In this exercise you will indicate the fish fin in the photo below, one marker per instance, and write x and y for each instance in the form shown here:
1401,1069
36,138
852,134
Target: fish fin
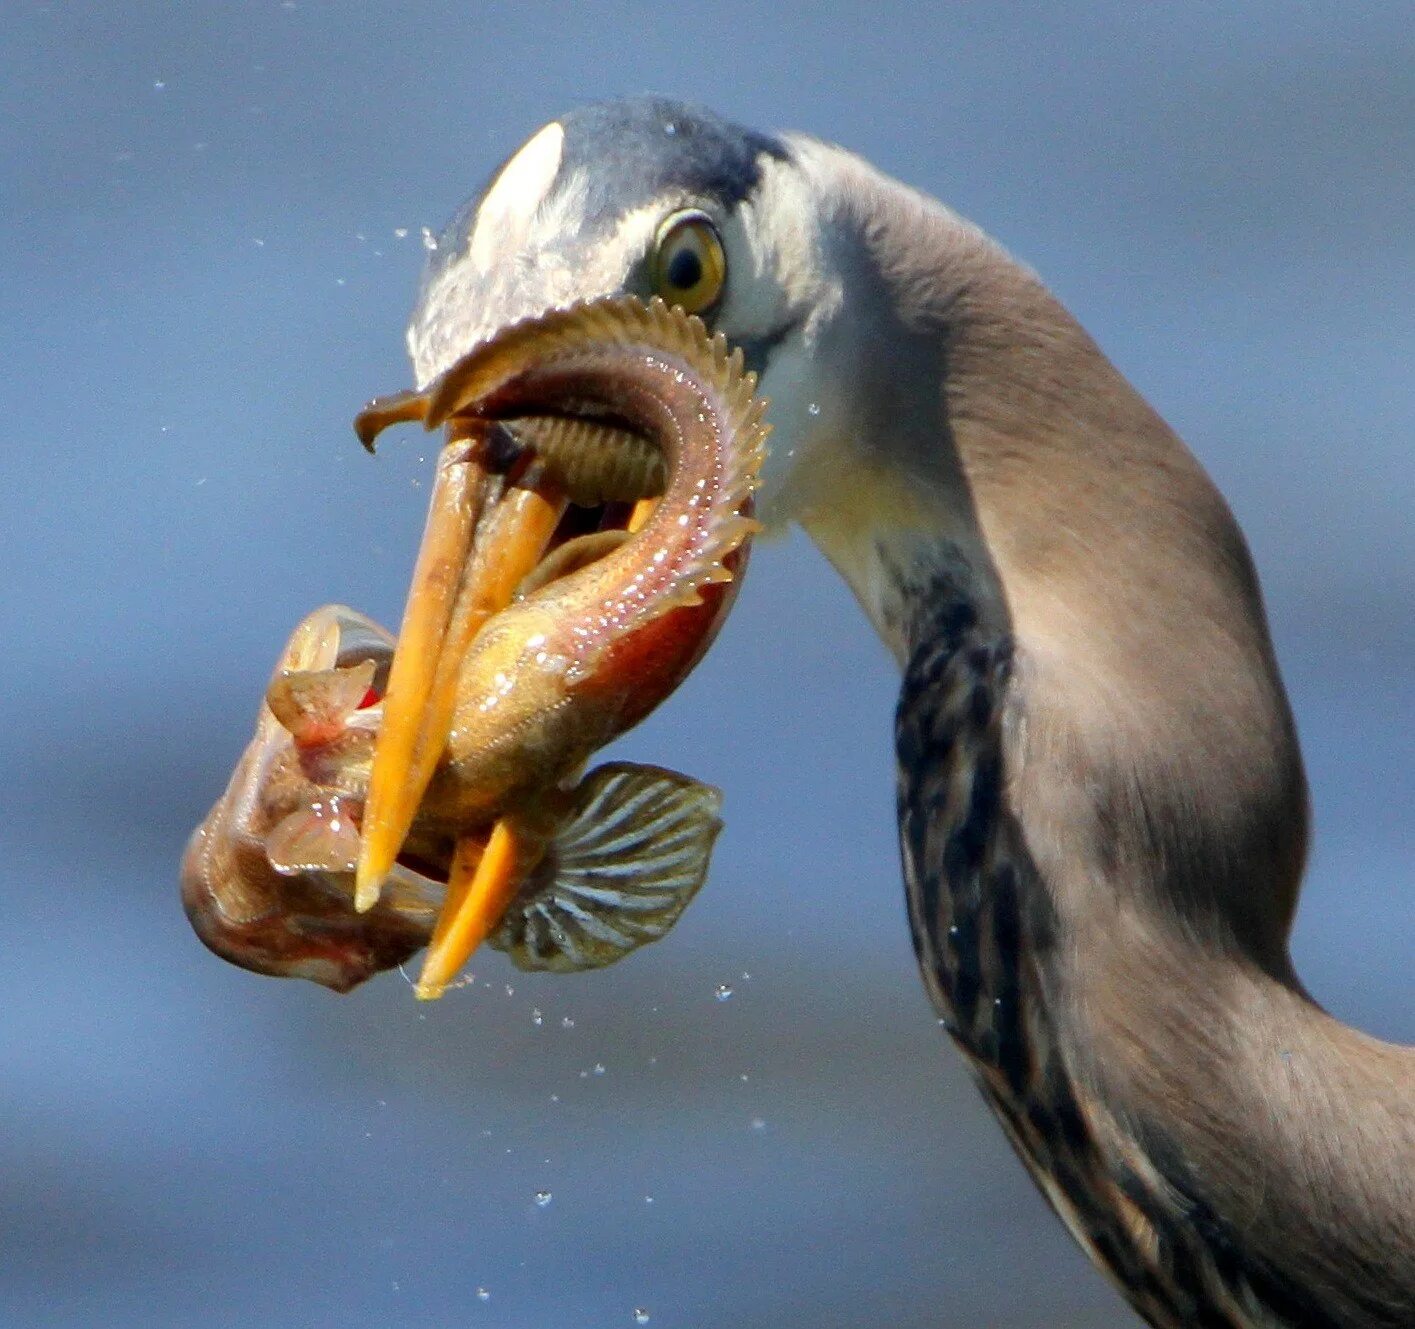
325,636
319,838
360,639
624,863
570,557
413,896
315,704
315,641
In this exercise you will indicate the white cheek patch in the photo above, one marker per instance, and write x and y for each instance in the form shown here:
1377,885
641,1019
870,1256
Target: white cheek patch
505,216
777,233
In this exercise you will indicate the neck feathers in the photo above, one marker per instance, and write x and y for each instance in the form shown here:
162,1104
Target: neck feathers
1103,817
1165,1144
1102,807
1003,444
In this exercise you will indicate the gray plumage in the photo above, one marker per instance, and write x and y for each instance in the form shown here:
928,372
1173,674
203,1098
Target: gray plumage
1102,806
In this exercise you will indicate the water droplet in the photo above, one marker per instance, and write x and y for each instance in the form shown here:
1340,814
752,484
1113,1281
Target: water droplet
648,1199
566,1022
543,1198
510,991
158,85
483,1294
669,128
429,241
641,1316
814,408
400,232
759,1123
724,990
599,1068
536,1017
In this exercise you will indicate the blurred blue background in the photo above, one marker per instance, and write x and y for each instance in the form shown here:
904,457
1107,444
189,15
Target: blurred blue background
210,239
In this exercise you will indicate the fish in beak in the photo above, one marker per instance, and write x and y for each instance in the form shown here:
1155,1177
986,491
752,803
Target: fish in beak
266,877
588,527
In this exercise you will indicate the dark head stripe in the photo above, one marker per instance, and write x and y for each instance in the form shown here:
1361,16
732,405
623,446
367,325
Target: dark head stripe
629,152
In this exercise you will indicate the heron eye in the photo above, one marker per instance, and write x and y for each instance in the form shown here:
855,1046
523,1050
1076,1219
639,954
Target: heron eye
689,267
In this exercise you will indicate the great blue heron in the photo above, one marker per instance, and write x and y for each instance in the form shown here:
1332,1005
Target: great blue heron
1102,807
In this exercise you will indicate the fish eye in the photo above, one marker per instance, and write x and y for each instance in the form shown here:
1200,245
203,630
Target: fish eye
689,265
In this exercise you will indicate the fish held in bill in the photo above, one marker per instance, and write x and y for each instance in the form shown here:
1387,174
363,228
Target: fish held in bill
266,878
588,529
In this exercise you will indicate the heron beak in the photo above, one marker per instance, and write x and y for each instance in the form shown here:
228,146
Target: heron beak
484,534
486,872
481,883
499,497
393,795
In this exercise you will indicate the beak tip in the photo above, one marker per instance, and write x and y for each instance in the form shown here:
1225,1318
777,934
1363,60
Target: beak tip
367,888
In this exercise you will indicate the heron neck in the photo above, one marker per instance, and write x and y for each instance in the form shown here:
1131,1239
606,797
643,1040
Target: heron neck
1115,862
1224,1150
1102,804
982,435
1102,808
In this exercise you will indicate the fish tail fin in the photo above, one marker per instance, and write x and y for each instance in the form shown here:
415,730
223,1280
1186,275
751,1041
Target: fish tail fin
623,864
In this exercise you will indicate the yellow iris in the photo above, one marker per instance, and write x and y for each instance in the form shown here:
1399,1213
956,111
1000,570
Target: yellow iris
689,266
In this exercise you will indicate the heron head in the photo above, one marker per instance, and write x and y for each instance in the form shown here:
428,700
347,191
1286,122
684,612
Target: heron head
649,197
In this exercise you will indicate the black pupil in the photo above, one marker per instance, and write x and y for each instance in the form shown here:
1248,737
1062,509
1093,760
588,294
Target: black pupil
685,270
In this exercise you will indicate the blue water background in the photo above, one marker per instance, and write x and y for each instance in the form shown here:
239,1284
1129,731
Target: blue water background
209,240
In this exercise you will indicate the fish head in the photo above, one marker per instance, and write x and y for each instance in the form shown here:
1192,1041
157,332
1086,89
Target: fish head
267,878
